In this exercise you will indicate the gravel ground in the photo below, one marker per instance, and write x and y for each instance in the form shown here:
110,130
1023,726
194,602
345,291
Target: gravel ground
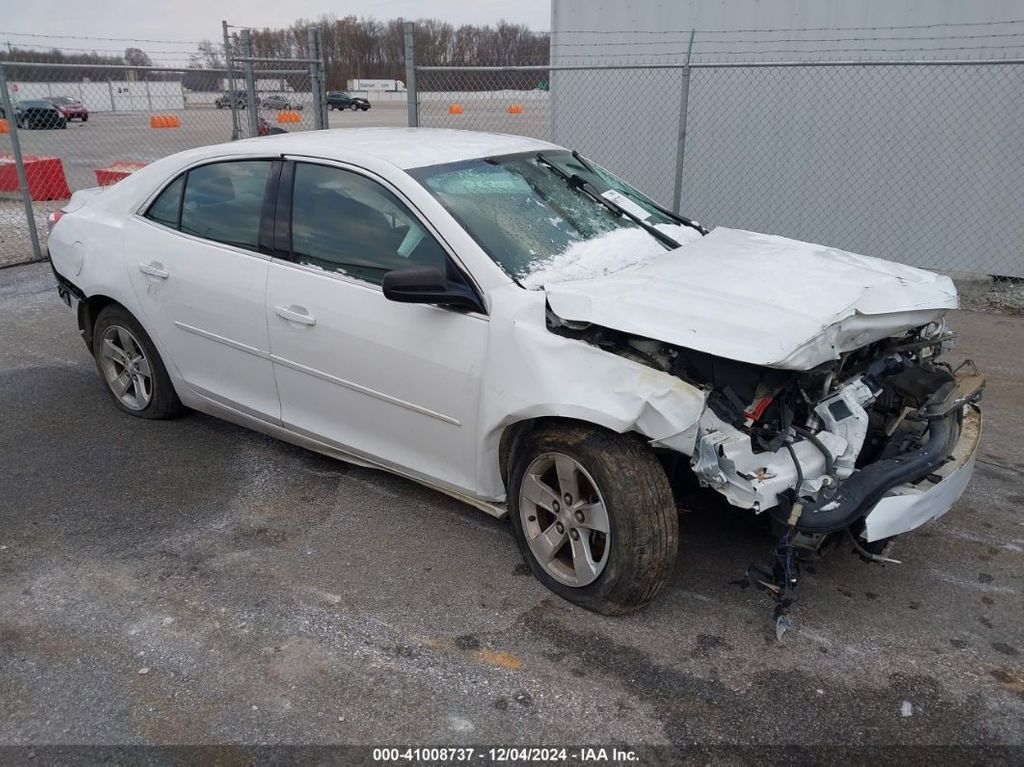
193,582
1005,296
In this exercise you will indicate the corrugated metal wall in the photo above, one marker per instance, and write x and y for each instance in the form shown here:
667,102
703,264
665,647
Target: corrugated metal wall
922,165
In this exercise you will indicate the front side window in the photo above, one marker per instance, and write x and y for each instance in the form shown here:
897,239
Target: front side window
346,223
222,202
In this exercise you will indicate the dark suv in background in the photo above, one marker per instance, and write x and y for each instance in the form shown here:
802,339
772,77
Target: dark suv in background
35,114
343,100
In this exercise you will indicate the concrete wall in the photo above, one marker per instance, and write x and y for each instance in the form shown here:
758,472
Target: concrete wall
121,96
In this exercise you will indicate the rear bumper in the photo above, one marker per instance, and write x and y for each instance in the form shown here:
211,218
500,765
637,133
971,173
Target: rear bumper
908,506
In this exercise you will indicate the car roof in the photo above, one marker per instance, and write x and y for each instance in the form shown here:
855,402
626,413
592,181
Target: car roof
405,148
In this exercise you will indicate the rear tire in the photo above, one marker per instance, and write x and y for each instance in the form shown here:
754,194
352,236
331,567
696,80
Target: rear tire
586,479
131,368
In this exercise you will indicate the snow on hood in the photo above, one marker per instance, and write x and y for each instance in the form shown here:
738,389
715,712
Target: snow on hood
757,298
606,254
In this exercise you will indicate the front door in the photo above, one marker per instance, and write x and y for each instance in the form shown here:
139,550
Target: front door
398,383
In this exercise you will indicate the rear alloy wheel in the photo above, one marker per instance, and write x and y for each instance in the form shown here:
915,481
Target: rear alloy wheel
594,516
125,368
131,368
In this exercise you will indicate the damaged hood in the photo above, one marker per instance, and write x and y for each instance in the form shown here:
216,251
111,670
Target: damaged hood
759,298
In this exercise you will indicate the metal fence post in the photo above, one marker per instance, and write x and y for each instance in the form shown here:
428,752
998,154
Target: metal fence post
250,83
19,165
316,79
322,93
231,80
410,74
684,104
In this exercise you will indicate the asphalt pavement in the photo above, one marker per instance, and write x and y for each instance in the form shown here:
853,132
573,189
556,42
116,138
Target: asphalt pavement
191,581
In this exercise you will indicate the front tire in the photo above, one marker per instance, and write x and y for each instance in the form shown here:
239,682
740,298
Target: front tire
131,368
593,514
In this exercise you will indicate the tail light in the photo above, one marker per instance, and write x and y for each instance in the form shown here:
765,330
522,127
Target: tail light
53,218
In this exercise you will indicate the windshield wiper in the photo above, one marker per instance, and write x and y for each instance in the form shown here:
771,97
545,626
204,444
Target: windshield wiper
588,189
663,211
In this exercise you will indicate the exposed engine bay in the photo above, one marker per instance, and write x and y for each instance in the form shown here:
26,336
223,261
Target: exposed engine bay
819,449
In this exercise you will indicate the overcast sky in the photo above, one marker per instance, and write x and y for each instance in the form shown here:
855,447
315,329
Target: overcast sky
193,20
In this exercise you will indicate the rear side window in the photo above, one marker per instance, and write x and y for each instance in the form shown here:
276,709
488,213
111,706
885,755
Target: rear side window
164,209
222,202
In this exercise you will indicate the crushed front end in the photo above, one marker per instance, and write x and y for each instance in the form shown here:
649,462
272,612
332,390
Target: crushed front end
861,449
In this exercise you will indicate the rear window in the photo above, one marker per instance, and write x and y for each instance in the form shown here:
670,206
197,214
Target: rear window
166,207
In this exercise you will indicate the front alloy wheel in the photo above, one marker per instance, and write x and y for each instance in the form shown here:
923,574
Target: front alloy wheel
593,514
565,519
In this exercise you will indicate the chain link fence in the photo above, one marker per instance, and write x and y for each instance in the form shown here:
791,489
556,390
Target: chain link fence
918,162
77,126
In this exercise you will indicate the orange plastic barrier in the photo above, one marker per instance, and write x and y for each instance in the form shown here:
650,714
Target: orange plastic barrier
45,176
289,117
455,109
114,173
4,127
515,109
164,121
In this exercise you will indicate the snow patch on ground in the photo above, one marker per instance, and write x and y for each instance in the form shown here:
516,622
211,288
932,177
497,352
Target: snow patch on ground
611,252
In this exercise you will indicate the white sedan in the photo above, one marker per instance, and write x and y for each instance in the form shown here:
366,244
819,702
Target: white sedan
503,320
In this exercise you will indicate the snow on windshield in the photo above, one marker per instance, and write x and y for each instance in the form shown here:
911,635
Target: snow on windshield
607,253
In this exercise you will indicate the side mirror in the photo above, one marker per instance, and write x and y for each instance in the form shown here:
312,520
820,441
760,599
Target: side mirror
428,285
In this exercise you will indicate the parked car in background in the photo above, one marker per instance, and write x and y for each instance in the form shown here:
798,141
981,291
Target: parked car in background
239,97
501,319
37,114
344,100
280,102
72,109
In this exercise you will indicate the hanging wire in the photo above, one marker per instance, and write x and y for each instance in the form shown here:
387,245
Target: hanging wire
792,40
104,39
572,56
790,29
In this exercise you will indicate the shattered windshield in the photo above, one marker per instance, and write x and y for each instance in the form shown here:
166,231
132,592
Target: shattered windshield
541,229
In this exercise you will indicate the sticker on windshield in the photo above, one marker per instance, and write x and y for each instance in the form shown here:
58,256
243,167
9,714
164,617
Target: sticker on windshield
626,204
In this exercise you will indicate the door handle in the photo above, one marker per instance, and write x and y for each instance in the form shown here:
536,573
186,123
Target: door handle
154,269
295,314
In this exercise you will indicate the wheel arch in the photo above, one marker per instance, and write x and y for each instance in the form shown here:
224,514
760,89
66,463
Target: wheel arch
89,309
512,434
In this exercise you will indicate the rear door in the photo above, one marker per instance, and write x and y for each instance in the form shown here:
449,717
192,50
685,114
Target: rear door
399,383
200,273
